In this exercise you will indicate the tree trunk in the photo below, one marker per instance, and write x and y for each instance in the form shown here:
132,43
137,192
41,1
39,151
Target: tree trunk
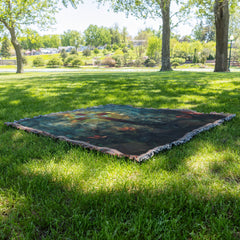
165,8
17,48
221,12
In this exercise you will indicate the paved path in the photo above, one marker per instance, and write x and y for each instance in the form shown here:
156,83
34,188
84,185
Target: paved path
109,70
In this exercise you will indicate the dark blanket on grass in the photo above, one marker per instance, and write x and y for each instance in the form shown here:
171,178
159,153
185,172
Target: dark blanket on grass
137,133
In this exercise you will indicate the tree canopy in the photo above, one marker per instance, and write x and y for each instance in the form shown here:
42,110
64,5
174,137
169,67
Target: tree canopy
220,10
145,9
71,38
234,25
5,49
22,13
97,36
17,15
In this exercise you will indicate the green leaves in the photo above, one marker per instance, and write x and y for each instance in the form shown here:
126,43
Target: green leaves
71,38
74,3
16,15
5,49
21,13
97,36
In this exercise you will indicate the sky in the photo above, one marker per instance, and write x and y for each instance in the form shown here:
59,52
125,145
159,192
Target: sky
88,13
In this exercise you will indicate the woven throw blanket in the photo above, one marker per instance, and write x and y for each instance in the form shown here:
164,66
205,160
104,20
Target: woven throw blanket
136,133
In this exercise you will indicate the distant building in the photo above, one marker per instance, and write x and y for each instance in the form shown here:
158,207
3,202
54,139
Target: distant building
102,47
137,43
48,50
33,52
67,48
82,48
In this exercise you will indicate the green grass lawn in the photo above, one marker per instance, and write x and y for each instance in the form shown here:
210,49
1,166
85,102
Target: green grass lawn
52,190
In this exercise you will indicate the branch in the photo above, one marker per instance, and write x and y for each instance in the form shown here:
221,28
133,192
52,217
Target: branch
5,23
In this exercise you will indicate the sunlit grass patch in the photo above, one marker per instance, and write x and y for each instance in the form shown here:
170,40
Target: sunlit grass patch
53,190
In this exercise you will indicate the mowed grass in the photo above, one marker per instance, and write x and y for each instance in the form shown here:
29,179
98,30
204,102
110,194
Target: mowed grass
52,190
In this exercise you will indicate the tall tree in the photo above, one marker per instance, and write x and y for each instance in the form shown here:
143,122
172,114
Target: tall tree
221,13
72,38
51,41
16,15
115,35
205,32
124,35
144,9
221,10
154,48
5,49
166,33
144,34
97,36
32,39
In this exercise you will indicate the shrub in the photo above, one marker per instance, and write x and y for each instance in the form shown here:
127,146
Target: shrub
96,50
236,54
180,54
115,46
138,62
122,45
119,60
175,64
105,52
195,59
203,59
109,48
195,56
38,62
24,60
125,50
73,61
63,54
109,61
118,52
97,62
76,62
131,46
54,62
153,48
150,62
68,60
86,52
211,57
126,59
130,63
178,60
74,51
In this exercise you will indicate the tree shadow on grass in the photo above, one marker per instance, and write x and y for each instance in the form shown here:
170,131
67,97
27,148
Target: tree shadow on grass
43,205
110,198
38,95
69,91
